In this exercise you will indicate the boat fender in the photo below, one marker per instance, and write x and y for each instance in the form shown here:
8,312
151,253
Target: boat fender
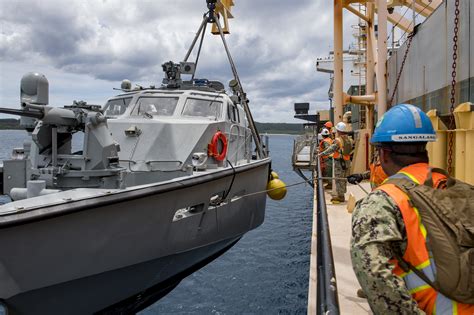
213,147
276,188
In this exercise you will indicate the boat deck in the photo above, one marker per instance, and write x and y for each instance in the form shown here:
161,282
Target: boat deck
340,229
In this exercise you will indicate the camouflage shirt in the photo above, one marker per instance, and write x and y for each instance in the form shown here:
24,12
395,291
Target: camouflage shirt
325,144
330,149
336,146
377,231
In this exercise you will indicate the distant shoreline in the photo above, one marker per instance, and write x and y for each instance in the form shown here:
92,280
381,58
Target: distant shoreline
10,124
261,133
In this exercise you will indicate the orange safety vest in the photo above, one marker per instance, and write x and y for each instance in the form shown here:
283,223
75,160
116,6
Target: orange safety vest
345,149
417,254
321,147
377,175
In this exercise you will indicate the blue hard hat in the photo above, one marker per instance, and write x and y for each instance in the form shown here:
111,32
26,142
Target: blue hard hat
404,123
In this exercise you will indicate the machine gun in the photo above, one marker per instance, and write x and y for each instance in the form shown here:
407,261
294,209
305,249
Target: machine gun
49,157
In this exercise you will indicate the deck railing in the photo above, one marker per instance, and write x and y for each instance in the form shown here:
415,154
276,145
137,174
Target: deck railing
327,298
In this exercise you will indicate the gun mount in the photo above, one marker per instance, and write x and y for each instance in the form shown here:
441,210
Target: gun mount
48,161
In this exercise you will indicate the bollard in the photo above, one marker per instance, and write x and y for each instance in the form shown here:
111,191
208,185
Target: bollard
437,151
464,137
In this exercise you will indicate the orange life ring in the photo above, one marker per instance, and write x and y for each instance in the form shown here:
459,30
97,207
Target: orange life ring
213,148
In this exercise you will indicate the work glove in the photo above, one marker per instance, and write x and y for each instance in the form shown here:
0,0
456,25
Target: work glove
355,178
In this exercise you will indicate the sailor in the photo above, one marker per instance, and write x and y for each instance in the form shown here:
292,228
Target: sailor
341,149
385,225
375,174
329,126
376,177
326,161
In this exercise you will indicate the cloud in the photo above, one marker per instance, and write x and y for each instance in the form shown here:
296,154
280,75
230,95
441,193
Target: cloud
99,43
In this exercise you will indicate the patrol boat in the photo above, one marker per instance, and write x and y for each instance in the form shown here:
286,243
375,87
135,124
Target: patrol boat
165,182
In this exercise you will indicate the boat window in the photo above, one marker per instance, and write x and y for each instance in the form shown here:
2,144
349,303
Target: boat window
244,118
117,106
202,108
233,113
157,106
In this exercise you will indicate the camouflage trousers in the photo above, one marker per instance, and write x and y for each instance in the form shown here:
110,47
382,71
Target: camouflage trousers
341,172
327,169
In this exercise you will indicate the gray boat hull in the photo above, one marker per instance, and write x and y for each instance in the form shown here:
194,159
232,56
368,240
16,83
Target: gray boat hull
81,257
124,287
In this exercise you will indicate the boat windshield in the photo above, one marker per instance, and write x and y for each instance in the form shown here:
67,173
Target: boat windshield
116,106
202,108
157,106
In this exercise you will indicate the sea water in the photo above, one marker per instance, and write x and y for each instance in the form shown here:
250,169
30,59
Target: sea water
266,272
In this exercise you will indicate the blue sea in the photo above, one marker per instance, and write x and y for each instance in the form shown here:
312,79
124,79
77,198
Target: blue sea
266,272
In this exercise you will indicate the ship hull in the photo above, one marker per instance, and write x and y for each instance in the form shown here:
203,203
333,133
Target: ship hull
81,257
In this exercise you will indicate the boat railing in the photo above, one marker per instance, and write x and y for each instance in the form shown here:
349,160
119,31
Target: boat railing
326,295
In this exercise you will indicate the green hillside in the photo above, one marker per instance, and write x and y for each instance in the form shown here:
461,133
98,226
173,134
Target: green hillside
279,128
9,124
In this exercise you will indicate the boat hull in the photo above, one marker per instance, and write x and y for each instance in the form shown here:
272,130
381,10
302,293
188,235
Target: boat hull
119,291
81,257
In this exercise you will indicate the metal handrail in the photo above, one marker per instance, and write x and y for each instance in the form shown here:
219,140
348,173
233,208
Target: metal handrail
327,297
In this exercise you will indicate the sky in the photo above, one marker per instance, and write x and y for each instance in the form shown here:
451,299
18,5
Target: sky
87,47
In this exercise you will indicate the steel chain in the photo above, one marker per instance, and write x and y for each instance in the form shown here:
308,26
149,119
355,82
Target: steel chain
452,124
410,38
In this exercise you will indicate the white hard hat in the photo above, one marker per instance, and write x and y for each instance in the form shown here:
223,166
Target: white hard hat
341,127
325,132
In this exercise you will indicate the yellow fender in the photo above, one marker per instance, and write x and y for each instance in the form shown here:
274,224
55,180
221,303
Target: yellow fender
276,188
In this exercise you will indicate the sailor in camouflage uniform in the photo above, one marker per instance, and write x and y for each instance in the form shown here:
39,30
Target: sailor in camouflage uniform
381,228
341,149
326,161
378,230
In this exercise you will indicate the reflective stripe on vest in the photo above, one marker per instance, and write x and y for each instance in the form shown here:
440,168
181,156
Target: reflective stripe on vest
417,254
328,140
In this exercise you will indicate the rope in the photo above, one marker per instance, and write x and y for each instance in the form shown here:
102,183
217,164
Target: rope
231,182
290,185
267,190
293,185
362,188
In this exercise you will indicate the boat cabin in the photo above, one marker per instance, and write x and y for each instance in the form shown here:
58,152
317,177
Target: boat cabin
165,133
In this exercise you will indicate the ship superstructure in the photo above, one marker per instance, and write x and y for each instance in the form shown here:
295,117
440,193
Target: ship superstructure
424,59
